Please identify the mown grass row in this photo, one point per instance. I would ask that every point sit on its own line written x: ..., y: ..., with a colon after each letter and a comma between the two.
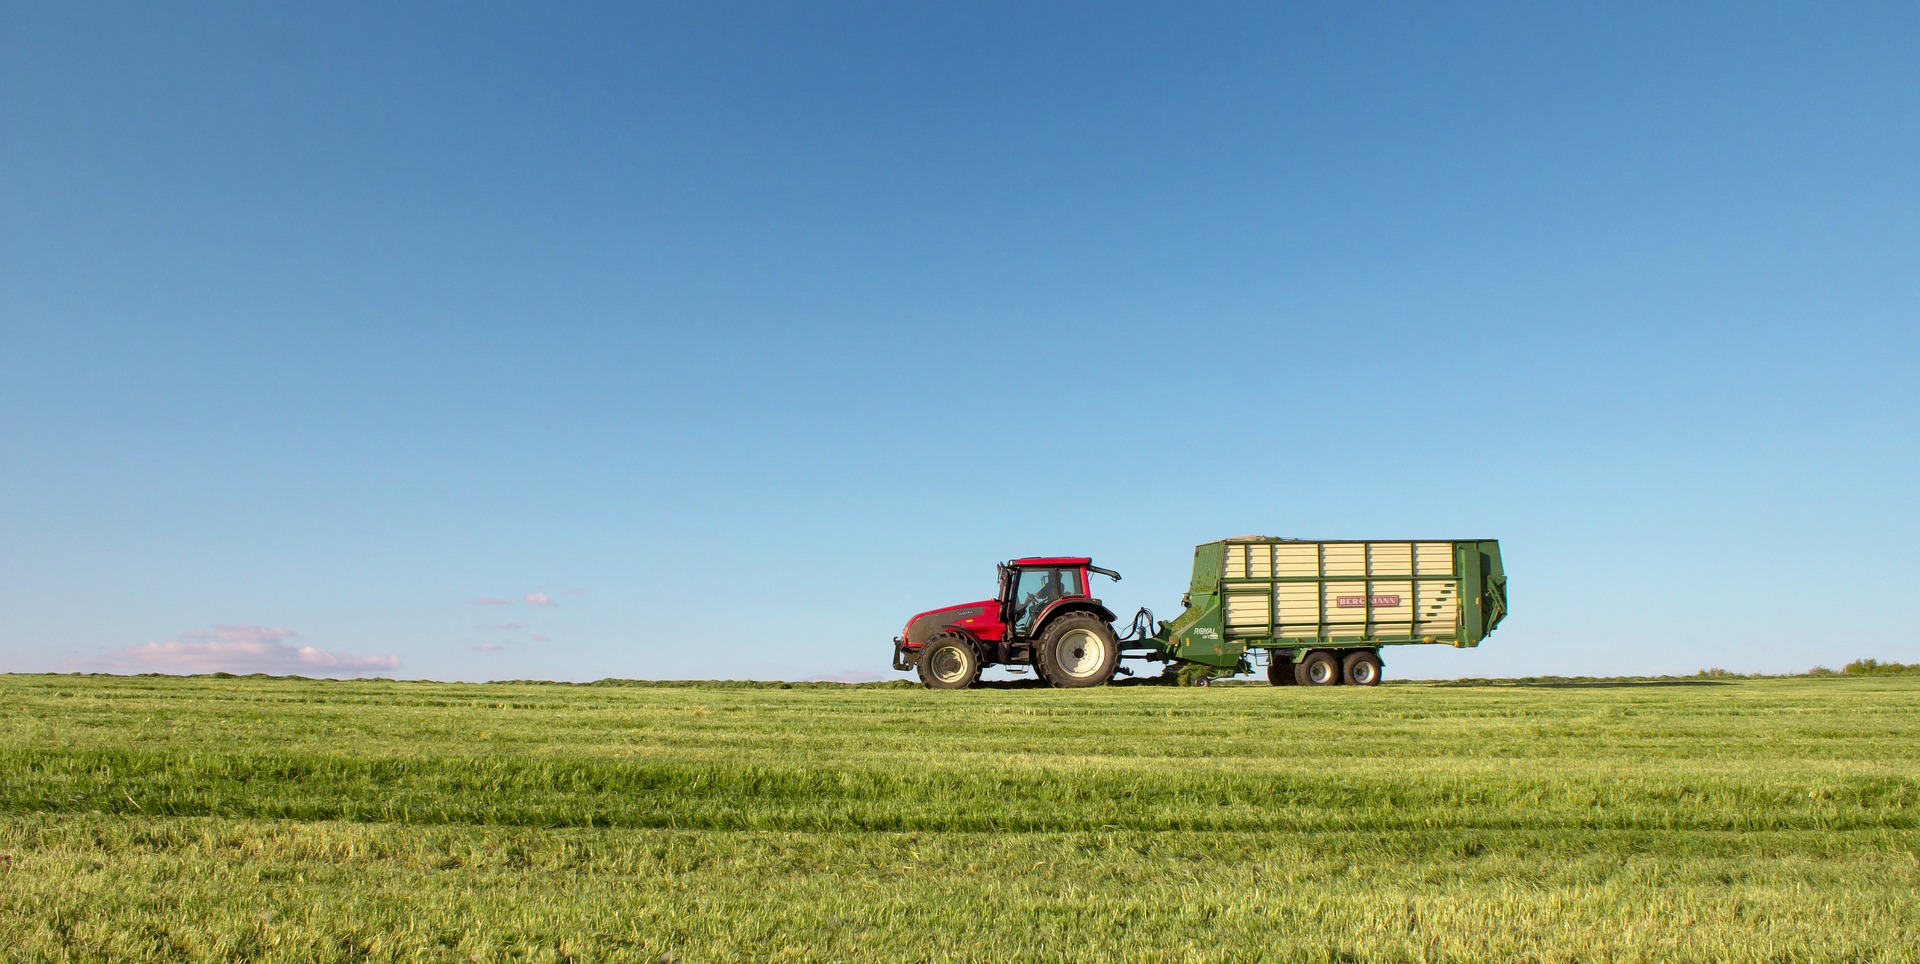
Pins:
x: 561, y: 792
x: 286, y: 819
x: 143, y: 888
x: 1776, y: 755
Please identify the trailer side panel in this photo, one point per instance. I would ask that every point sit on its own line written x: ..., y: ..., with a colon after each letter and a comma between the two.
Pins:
x: 1294, y: 594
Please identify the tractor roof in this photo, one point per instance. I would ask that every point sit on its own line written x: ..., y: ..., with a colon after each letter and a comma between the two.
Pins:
x: 1052, y: 561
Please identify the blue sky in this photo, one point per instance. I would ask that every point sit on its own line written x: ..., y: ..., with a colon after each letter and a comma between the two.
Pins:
x: 713, y: 340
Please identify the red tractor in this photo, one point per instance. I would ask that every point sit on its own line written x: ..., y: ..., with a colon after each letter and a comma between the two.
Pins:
x: 1043, y: 616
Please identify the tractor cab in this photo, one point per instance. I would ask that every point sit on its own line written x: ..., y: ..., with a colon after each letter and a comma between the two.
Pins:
x: 1042, y: 615
x: 1029, y: 587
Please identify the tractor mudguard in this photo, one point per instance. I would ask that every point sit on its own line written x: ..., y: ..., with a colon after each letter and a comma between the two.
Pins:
x: 1072, y: 604
x: 907, y: 654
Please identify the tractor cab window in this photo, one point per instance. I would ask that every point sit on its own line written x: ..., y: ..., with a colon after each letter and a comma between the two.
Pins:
x: 1039, y: 587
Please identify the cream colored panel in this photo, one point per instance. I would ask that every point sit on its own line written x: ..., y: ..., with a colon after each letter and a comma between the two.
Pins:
x: 1235, y: 566
x: 1296, y: 559
x: 1391, y: 558
x: 1298, y: 605
x: 1260, y: 561
x: 1436, y: 605
x: 1247, y: 610
x: 1400, y: 594
x: 1433, y: 558
x: 1346, y: 559
x: 1347, y: 592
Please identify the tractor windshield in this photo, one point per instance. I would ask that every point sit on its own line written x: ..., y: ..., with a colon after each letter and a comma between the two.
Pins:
x: 1037, y: 588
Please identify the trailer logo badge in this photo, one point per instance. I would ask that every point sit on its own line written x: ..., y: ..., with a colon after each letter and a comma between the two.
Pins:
x: 1358, y: 602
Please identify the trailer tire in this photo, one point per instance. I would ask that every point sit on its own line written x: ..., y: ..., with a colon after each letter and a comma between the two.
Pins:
x: 1280, y: 669
x: 1361, y: 668
x: 949, y: 662
x: 1318, y: 668
x: 1076, y: 650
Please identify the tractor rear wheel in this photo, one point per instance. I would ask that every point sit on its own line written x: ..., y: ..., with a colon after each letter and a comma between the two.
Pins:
x: 1280, y: 669
x: 1039, y: 666
x: 1318, y: 668
x: 949, y: 662
x: 1077, y: 649
x: 1361, y: 668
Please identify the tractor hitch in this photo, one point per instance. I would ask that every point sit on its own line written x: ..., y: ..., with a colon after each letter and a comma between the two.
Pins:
x: 902, y: 659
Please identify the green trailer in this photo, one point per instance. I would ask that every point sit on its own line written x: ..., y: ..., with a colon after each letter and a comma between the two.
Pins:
x: 1321, y: 610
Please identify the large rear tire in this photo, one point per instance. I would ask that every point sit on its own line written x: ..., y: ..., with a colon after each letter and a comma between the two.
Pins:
x: 1039, y: 665
x: 1361, y: 668
x: 1076, y: 650
x: 1280, y: 668
x: 949, y: 662
x: 1318, y: 668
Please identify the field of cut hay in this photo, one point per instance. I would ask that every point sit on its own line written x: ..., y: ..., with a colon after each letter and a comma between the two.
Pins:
x: 233, y: 818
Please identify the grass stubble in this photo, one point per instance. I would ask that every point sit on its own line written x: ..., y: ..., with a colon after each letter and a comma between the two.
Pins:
x: 1698, y: 819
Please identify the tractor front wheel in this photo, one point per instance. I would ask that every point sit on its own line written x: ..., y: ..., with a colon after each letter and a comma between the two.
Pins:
x: 949, y: 662
x: 1077, y: 649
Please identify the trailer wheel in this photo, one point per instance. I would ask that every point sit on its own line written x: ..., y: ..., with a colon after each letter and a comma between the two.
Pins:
x: 949, y: 662
x: 1280, y: 669
x: 1318, y: 668
x: 1077, y: 649
x: 1361, y: 669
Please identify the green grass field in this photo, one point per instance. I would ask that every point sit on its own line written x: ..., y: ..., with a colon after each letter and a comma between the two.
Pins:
x: 1705, y: 819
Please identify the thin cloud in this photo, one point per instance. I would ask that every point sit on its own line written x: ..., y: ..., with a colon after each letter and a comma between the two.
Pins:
x: 536, y: 637
x: 509, y: 627
x: 488, y: 648
x: 576, y: 591
x: 489, y: 601
x: 539, y: 599
x: 236, y: 648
